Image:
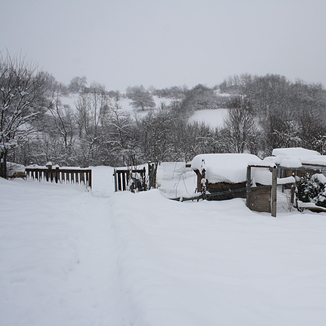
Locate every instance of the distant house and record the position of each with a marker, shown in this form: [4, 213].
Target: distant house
[223, 175]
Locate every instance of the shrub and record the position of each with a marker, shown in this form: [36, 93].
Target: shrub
[312, 189]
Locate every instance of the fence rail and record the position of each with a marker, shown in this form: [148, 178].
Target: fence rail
[61, 175]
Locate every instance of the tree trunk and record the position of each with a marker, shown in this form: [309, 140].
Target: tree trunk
[3, 164]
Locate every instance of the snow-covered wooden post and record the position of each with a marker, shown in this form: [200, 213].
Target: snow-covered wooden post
[274, 191]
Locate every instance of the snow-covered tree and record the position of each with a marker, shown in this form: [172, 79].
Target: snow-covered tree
[140, 98]
[22, 100]
[92, 107]
[240, 129]
[77, 84]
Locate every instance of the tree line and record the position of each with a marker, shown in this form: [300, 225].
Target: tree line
[265, 112]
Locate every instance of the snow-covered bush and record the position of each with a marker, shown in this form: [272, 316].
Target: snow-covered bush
[312, 189]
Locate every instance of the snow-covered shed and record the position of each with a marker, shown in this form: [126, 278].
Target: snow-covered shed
[223, 173]
[298, 160]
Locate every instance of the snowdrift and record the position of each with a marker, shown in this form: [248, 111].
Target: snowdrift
[72, 257]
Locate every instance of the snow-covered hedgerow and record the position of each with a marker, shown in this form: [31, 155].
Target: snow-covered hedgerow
[312, 189]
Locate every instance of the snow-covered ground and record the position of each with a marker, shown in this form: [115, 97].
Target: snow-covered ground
[74, 257]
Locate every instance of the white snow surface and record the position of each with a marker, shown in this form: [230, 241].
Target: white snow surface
[74, 257]
[321, 160]
[212, 118]
[230, 168]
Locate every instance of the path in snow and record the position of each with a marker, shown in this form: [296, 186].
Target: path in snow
[58, 256]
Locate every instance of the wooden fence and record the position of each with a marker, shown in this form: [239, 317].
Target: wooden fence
[61, 175]
[135, 179]
[124, 180]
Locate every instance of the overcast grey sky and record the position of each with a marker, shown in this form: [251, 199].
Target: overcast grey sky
[163, 43]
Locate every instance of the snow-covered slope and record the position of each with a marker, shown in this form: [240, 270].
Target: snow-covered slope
[124, 103]
[72, 257]
[212, 118]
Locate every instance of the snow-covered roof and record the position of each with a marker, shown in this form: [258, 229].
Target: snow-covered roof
[297, 152]
[318, 160]
[230, 168]
[294, 157]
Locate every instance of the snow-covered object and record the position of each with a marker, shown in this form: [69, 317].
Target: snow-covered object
[319, 177]
[13, 168]
[263, 176]
[294, 157]
[318, 160]
[230, 168]
[295, 152]
[290, 162]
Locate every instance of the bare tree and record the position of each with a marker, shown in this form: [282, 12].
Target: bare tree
[22, 99]
[239, 128]
[92, 107]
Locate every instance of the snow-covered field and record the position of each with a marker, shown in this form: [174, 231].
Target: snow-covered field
[74, 257]
[212, 118]
[124, 103]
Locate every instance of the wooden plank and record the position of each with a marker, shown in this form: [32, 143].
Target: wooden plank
[124, 183]
[260, 199]
[90, 178]
[119, 181]
[274, 192]
[57, 175]
[115, 180]
[248, 188]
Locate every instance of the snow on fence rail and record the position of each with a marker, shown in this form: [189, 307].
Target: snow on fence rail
[61, 175]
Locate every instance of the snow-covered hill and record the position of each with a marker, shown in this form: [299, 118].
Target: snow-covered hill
[72, 257]
[212, 118]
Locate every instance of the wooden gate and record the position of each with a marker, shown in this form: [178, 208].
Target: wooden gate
[61, 175]
[130, 179]
[135, 179]
[262, 198]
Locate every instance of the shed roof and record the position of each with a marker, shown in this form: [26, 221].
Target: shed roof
[294, 157]
[230, 168]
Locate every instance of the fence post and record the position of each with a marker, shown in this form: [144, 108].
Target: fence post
[248, 186]
[152, 170]
[57, 174]
[274, 191]
[90, 179]
[115, 180]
